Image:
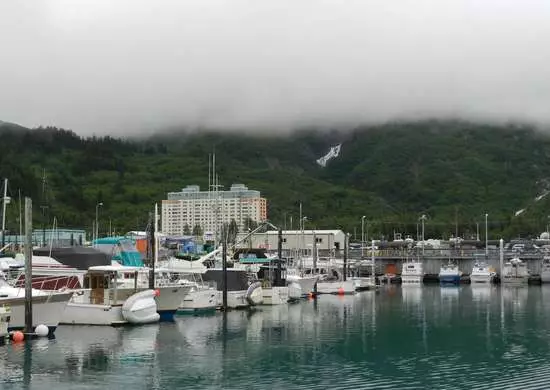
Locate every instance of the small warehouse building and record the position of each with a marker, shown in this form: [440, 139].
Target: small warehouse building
[327, 241]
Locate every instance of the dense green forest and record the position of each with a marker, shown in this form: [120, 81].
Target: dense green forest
[453, 172]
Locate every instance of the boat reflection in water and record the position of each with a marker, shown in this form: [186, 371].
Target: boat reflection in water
[482, 292]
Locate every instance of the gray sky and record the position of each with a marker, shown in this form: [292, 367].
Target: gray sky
[123, 66]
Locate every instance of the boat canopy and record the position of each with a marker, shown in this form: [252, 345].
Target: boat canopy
[79, 257]
[122, 250]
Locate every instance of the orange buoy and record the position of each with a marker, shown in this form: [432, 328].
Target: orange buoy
[341, 291]
[157, 292]
[17, 336]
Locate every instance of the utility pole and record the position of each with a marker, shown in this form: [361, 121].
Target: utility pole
[28, 265]
[423, 218]
[362, 234]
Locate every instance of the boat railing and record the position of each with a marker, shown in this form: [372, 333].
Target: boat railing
[46, 282]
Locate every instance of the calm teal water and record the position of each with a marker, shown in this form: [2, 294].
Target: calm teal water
[406, 338]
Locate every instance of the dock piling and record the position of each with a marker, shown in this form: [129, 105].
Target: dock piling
[28, 265]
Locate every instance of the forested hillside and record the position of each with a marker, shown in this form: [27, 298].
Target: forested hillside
[454, 172]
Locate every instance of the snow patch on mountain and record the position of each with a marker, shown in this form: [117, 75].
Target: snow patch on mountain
[332, 153]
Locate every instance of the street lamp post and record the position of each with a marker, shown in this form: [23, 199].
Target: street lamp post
[96, 233]
[362, 234]
[423, 218]
[486, 236]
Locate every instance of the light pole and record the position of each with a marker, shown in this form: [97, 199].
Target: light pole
[486, 236]
[362, 234]
[96, 233]
[423, 218]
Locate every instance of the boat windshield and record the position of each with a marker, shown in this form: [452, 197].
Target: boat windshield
[127, 246]
[105, 248]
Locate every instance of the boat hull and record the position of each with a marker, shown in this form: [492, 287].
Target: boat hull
[91, 314]
[481, 278]
[412, 279]
[307, 283]
[46, 309]
[336, 287]
[235, 299]
[515, 281]
[169, 300]
[449, 279]
[199, 301]
[362, 284]
[275, 295]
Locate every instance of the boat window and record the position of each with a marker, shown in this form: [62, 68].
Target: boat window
[127, 246]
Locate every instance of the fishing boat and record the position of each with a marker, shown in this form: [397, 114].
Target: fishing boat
[482, 273]
[412, 272]
[515, 272]
[449, 274]
[47, 307]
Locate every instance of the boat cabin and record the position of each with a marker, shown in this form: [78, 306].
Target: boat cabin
[104, 284]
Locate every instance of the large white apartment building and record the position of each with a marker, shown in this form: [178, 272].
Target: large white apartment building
[210, 209]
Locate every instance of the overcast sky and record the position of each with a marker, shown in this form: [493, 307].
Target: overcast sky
[127, 66]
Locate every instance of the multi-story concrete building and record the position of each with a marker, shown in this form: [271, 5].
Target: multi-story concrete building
[211, 209]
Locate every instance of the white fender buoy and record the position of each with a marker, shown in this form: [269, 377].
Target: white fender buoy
[141, 308]
[254, 294]
[41, 330]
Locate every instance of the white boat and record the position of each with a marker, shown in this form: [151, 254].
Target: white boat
[336, 287]
[449, 274]
[363, 283]
[412, 272]
[545, 270]
[305, 282]
[275, 295]
[199, 301]
[515, 272]
[122, 283]
[203, 297]
[47, 307]
[102, 302]
[482, 273]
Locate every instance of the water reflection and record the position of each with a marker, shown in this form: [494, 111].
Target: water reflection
[413, 337]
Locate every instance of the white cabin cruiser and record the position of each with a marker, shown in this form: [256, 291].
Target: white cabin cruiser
[412, 272]
[103, 302]
[482, 273]
[515, 272]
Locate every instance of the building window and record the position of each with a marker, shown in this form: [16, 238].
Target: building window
[318, 240]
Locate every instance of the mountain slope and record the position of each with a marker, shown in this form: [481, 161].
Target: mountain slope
[452, 171]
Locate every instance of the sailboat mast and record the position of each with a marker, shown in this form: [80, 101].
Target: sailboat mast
[155, 236]
[4, 199]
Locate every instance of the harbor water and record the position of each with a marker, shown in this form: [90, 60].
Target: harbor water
[410, 337]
